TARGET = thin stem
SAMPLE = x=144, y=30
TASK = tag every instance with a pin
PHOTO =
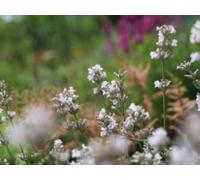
x=24, y=155
x=137, y=139
x=123, y=105
x=164, y=96
x=75, y=117
x=122, y=93
x=104, y=102
x=7, y=148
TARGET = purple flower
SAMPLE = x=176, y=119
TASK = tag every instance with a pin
x=135, y=28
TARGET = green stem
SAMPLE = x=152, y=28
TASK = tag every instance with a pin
x=8, y=149
x=137, y=139
x=75, y=117
x=23, y=153
x=164, y=96
x=122, y=93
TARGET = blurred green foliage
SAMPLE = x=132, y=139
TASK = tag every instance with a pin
x=57, y=50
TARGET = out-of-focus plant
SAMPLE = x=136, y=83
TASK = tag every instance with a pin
x=133, y=29
x=187, y=66
x=118, y=132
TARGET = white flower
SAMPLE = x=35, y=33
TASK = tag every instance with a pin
x=102, y=114
x=138, y=112
x=96, y=74
x=186, y=148
x=112, y=91
x=185, y=66
x=135, y=114
x=65, y=102
x=11, y=114
x=166, y=29
x=198, y=101
x=108, y=122
x=4, y=97
x=195, y=33
x=96, y=90
x=158, y=138
x=110, y=88
x=155, y=54
x=159, y=54
x=174, y=42
x=118, y=143
x=107, y=149
x=163, y=31
x=83, y=156
x=164, y=83
x=36, y=127
x=181, y=155
x=129, y=122
x=195, y=57
x=164, y=42
x=58, y=144
x=58, y=151
x=76, y=153
x=147, y=157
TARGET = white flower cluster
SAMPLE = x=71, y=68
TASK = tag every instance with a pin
x=195, y=33
x=164, y=42
x=153, y=148
x=183, y=155
x=195, y=57
x=185, y=150
x=162, y=84
x=83, y=156
x=112, y=91
x=4, y=97
x=96, y=74
x=110, y=88
x=34, y=129
x=57, y=146
x=195, y=39
x=159, y=54
x=108, y=122
x=158, y=138
x=58, y=151
x=74, y=124
x=135, y=114
x=148, y=157
x=66, y=101
x=164, y=31
x=192, y=74
x=144, y=132
x=184, y=66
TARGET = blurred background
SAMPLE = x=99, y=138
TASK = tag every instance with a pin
x=42, y=53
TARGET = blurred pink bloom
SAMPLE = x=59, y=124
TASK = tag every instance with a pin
x=134, y=28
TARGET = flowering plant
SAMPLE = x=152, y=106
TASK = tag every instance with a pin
x=126, y=133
